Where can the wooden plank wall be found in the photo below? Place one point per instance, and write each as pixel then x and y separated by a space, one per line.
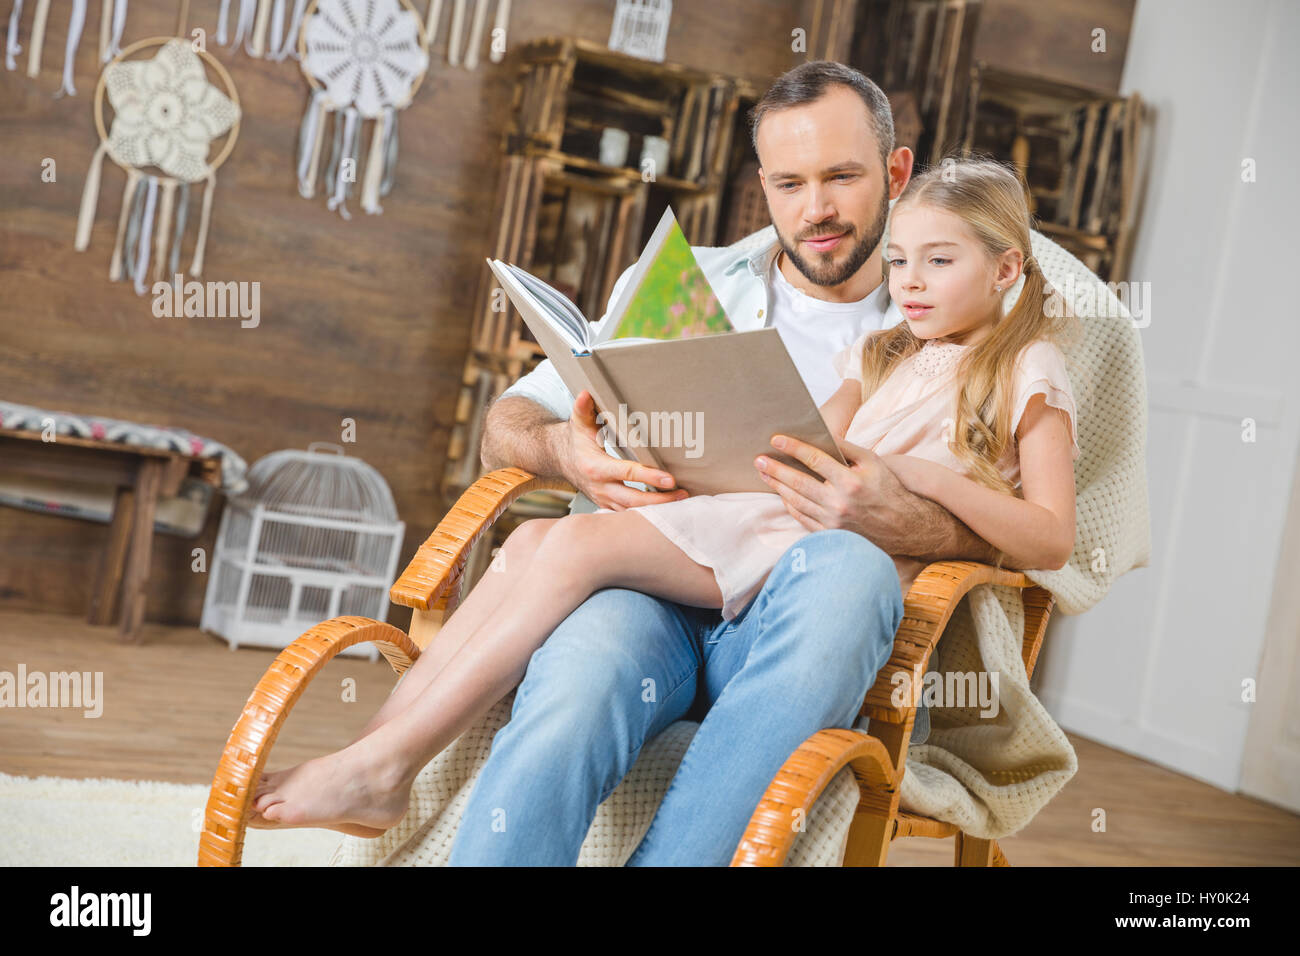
pixel 367 319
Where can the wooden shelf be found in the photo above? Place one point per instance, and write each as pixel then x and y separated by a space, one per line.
pixel 1095 240
pixel 1079 146
pixel 629 100
pixel 621 172
pixel 563 49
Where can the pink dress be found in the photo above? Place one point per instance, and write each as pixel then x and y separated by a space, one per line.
pixel 742 535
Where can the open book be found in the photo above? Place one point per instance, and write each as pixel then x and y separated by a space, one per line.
pixel 675 386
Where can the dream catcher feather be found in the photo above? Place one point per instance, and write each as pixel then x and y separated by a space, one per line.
pixel 364 60
pixel 265 27
pixel 166 114
pixel 112 22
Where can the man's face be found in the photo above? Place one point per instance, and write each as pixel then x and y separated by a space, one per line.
pixel 826 189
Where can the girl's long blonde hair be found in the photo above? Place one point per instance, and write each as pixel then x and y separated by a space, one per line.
pixel 989 198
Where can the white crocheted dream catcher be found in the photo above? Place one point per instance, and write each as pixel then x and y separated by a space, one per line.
pixel 166 113
pixel 112 21
pixel 364 60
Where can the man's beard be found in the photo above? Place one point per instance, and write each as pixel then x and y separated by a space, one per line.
pixel 830 274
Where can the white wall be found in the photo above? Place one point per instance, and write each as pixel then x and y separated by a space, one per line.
pixel 1156 668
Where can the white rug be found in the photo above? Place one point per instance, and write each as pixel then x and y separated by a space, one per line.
pixel 55 821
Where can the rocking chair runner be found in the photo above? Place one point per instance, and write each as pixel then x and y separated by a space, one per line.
pixel 431 586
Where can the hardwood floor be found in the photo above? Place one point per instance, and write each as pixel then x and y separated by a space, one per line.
pixel 169 704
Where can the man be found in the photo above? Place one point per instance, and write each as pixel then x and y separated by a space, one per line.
pixel 802 655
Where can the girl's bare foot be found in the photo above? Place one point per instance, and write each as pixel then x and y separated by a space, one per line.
pixel 259 822
pixel 268 782
pixel 346 788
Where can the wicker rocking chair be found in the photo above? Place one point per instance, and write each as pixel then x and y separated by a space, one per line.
pixel 431 586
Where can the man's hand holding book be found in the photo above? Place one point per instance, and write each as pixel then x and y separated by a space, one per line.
pixel 597 474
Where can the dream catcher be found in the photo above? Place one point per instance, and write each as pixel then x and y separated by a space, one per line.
pixel 112 22
pixel 469 56
pixel 265 27
pixel 364 60
pixel 166 113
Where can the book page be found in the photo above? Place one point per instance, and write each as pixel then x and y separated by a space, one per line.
pixel 568 318
pixel 668 296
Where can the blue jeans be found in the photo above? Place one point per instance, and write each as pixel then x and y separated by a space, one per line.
pixel 624 666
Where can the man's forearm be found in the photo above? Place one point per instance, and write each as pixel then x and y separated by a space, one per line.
pixel 519 433
pixel 937 535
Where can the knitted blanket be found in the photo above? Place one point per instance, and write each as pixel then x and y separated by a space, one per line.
pixel 989 776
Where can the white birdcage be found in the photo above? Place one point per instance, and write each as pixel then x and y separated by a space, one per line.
pixel 314 537
pixel 640 28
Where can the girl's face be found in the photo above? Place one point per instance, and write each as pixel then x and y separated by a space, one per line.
pixel 942 277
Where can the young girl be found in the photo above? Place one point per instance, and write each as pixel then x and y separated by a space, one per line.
pixel 965 405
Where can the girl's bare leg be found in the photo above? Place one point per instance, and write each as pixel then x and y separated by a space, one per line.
pixel 492 589
pixel 368 783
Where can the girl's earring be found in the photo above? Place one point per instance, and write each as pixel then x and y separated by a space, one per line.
pixel 997 288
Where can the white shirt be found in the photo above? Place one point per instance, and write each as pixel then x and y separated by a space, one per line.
pixel 815 330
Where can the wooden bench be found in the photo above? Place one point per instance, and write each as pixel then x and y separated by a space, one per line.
pixel 141 476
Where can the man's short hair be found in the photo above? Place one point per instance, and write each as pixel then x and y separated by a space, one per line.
pixel 810 81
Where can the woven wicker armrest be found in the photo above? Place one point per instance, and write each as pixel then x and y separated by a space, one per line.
pixel 929 604
pixel 434 573
pixel 790 796
pixel 784 808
